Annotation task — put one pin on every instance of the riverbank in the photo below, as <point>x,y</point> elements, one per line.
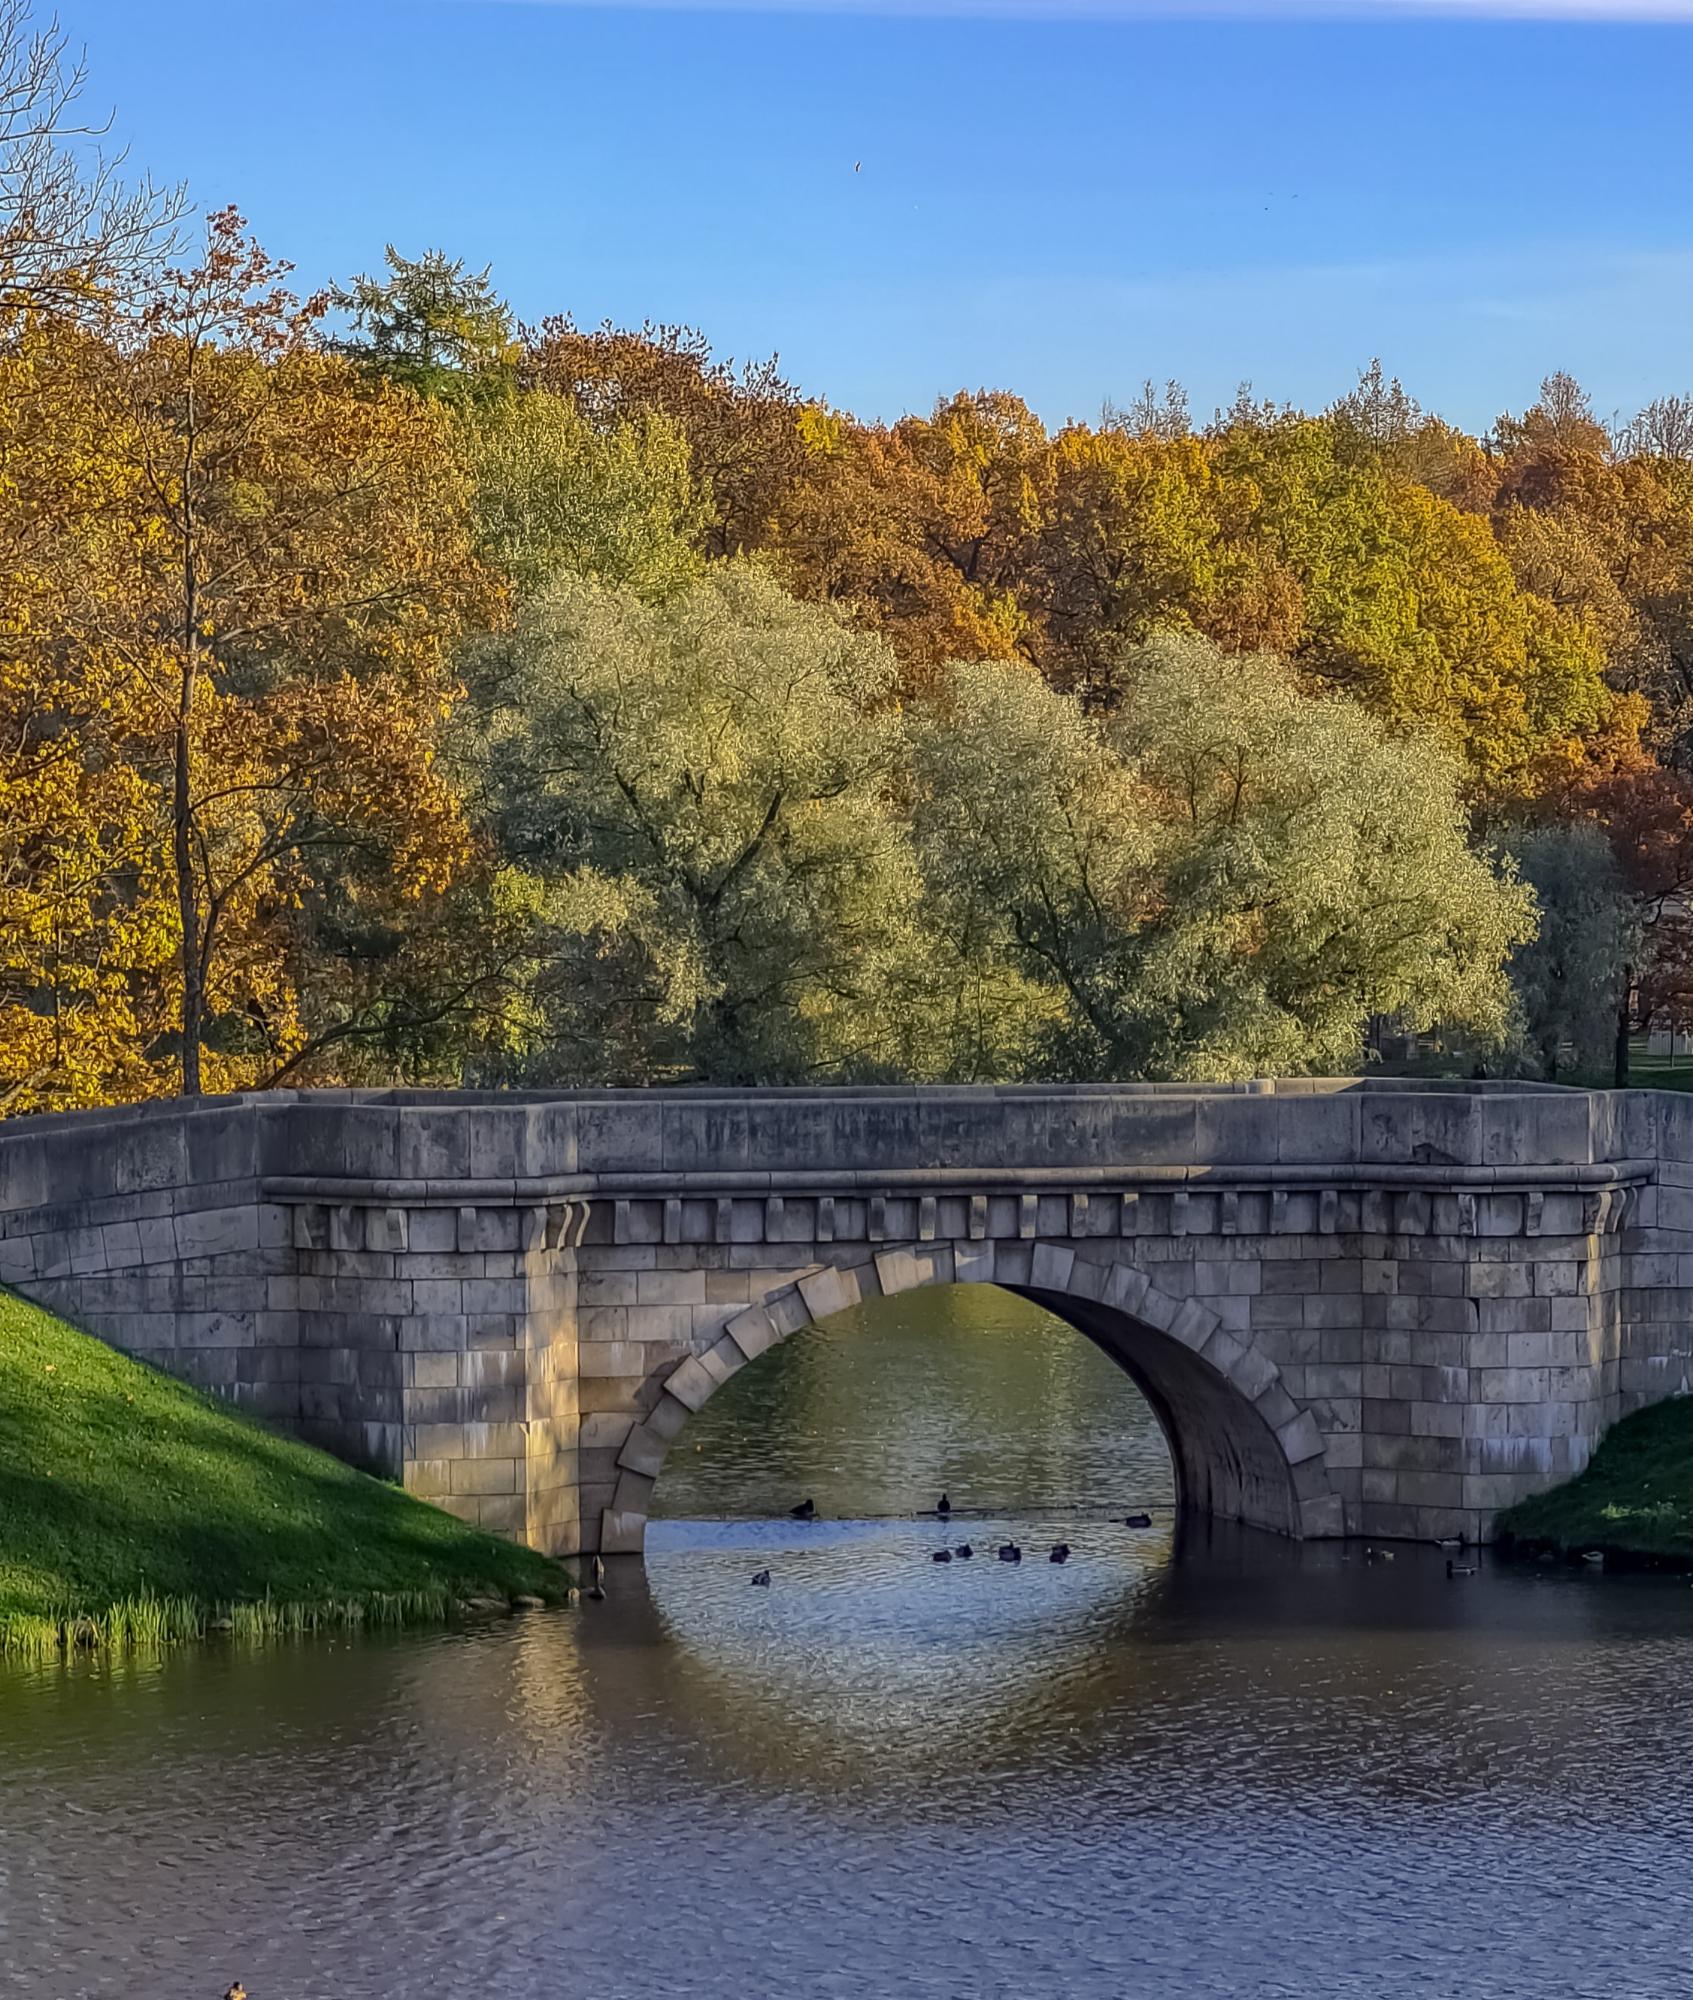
<point>1634,1503</point>
<point>135,1508</point>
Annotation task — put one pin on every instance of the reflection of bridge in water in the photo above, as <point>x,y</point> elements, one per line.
<point>1377,1308</point>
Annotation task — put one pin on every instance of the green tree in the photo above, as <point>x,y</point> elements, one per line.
<point>555,495</point>
<point>1570,976</point>
<point>1226,879</point>
<point>432,326</point>
<point>699,794</point>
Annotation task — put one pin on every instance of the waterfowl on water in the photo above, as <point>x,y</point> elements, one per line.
<point>1378,1555</point>
<point>1060,1553</point>
<point>1010,1553</point>
<point>805,1511</point>
<point>1459,1569</point>
<point>1594,1556</point>
<point>236,1992</point>
<point>761,1577</point>
<point>1449,1542</point>
<point>941,1556</point>
<point>1137,1520</point>
<point>943,1506</point>
<point>964,1552</point>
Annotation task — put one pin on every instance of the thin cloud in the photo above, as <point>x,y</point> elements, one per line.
<point>1613,13</point>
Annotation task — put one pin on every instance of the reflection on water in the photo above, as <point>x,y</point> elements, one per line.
<point>964,1390</point>
<point>1230,1766</point>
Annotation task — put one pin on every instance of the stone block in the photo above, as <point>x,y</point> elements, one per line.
<point>669,1288</point>
<point>905,1269</point>
<point>692,1384</point>
<point>1050,1266</point>
<point>622,1534</point>
<point>1300,1439</point>
<point>830,1290</point>
<point>485,1475</point>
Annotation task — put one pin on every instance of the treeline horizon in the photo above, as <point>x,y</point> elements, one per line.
<point>392,692</point>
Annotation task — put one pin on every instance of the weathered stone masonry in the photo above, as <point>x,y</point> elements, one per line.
<point>1357,1307</point>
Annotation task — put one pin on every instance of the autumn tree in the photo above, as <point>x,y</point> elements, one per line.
<point>740,425</point>
<point>87,922</point>
<point>301,564</point>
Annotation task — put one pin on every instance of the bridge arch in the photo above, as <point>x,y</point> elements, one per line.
<point>1241,1447</point>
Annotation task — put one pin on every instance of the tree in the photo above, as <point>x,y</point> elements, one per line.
<point>1663,429</point>
<point>858,529</point>
<point>741,426</point>
<point>87,924</point>
<point>69,225</point>
<point>1227,879</point>
<point>1378,416</point>
<point>554,494</point>
<point>431,326</point>
<point>1154,413</point>
<point>698,791</point>
<point>1571,977</point>
<point>1148,532</point>
<point>300,568</point>
<point>1409,604</point>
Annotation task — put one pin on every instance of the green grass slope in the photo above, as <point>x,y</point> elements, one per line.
<point>118,1484</point>
<point>1634,1501</point>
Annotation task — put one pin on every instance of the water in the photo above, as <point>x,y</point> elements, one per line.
<point>1229,1767</point>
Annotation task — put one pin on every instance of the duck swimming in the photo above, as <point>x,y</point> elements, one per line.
<point>941,1556</point>
<point>1010,1553</point>
<point>1458,1569</point>
<point>1060,1553</point>
<point>964,1552</point>
<point>805,1511</point>
<point>1137,1520</point>
<point>943,1506</point>
<point>761,1577</point>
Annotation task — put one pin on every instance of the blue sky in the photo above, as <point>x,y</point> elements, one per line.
<point>1056,196</point>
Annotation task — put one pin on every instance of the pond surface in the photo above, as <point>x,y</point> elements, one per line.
<point>1234,1767</point>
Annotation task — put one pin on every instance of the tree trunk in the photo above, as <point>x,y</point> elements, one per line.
<point>182,804</point>
<point>1624,1023</point>
<point>187,898</point>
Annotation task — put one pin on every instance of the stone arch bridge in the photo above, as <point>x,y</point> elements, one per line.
<point>1358,1307</point>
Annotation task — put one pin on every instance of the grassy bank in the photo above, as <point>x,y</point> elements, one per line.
<point>134,1508</point>
<point>1634,1501</point>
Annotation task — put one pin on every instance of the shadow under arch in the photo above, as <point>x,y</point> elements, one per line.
<point>1242,1448</point>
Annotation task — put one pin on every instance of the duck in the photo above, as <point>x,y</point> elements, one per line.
<point>943,1506</point>
<point>1459,1569</point>
<point>236,1991</point>
<point>805,1511</point>
<point>941,1556</point>
<point>1137,1520</point>
<point>1594,1556</point>
<point>1010,1553</point>
<point>761,1579</point>
<point>964,1552</point>
<point>1449,1542</point>
<point>596,1590</point>
<point>1378,1555</point>
<point>1060,1553</point>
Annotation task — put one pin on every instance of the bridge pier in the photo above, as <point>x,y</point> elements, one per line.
<point>1357,1309</point>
